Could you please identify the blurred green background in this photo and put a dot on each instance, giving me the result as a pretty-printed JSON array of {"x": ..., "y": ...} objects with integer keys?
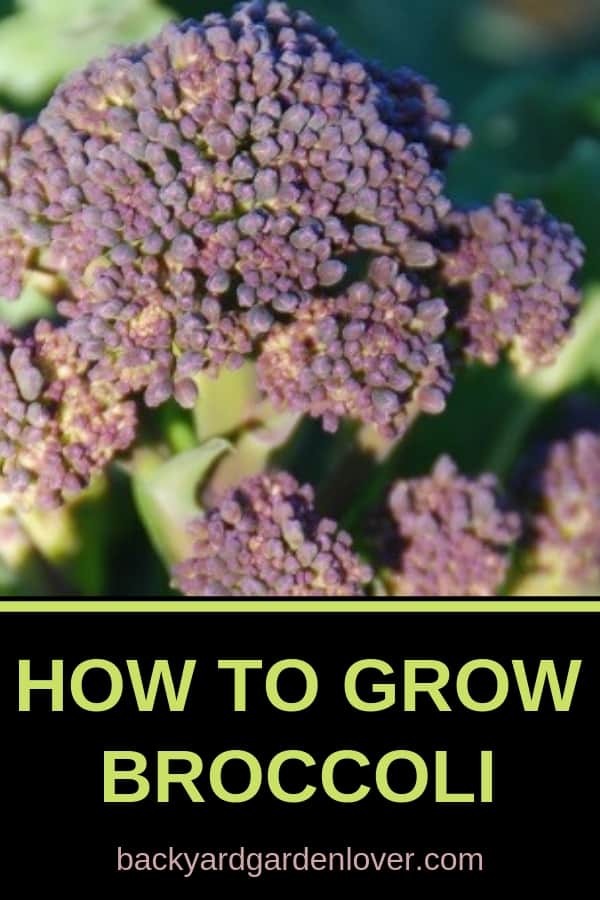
[{"x": 523, "y": 74}]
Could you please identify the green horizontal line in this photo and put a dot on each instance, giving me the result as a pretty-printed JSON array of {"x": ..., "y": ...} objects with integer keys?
[{"x": 295, "y": 606}]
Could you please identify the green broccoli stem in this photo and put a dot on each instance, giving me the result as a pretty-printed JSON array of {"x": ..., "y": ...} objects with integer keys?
[
  {"x": 349, "y": 464},
  {"x": 49, "y": 548},
  {"x": 177, "y": 428},
  {"x": 505, "y": 449},
  {"x": 226, "y": 403}
]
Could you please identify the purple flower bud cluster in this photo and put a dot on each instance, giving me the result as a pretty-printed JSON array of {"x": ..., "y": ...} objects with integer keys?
[
  {"x": 265, "y": 538},
  {"x": 517, "y": 265},
  {"x": 452, "y": 535},
  {"x": 372, "y": 354},
  {"x": 197, "y": 189},
  {"x": 11, "y": 128},
  {"x": 14, "y": 252},
  {"x": 564, "y": 532},
  {"x": 417, "y": 110},
  {"x": 56, "y": 428}
]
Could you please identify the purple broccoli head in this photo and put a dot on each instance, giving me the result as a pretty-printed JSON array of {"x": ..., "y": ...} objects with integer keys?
[{"x": 198, "y": 189}]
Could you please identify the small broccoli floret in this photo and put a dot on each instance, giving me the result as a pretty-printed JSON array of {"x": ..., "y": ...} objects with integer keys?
[
  {"x": 56, "y": 428},
  {"x": 452, "y": 535},
  {"x": 22, "y": 234},
  {"x": 266, "y": 538},
  {"x": 13, "y": 255},
  {"x": 563, "y": 542},
  {"x": 371, "y": 354},
  {"x": 516, "y": 266},
  {"x": 198, "y": 189}
]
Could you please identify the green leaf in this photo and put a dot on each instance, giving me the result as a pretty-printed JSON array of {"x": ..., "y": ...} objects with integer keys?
[
  {"x": 253, "y": 451},
  {"x": 166, "y": 494}
]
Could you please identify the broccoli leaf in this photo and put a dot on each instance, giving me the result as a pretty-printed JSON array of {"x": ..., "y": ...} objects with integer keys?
[{"x": 165, "y": 494}]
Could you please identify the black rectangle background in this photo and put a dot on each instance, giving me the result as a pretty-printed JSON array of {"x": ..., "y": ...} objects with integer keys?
[{"x": 60, "y": 832}]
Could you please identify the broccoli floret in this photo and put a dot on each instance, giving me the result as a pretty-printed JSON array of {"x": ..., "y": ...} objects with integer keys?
[
  {"x": 517, "y": 266},
  {"x": 21, "y": 231},
  {"x": 57, "y": 428},
  {"x": 265, "y": 537},
  {"x": 451, "y": 535},
  {"x": 563, "y": 536},
  {"x": 372, "y": 354}
]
